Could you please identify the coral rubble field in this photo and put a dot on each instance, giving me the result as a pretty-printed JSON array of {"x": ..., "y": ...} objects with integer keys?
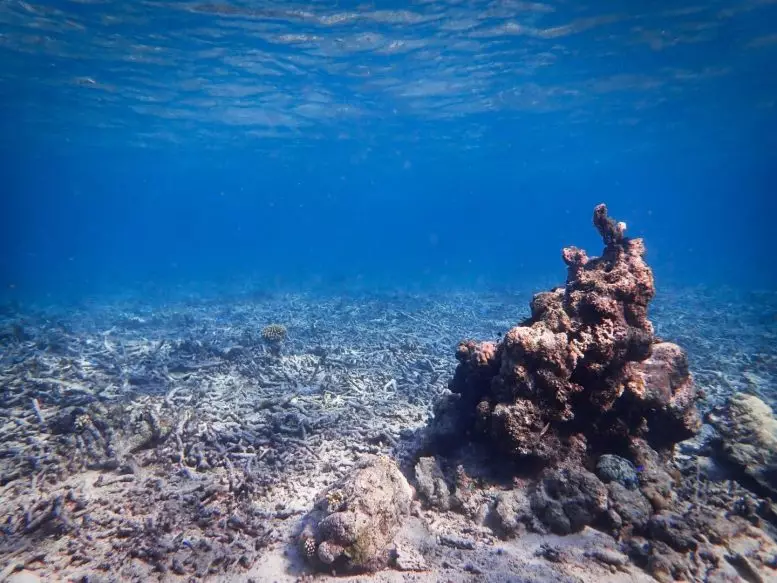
[{"x": 589, "y": 432}]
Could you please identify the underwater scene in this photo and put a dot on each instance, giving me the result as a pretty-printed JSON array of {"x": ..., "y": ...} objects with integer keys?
[{"x": 427, "y": 291}]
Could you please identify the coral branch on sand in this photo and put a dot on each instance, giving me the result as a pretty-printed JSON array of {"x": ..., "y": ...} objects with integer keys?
[{"x": 585, "y": 373}]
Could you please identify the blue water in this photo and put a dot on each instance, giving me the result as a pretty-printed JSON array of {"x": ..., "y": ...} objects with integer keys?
[{"x": 410, "y": 144}]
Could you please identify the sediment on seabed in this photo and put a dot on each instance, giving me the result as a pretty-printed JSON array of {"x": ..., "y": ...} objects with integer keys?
[{"x": 173, "y": 442}]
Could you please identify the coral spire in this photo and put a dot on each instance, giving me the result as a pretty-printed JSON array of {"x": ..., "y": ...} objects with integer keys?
[{"x": 612, "y": 232}]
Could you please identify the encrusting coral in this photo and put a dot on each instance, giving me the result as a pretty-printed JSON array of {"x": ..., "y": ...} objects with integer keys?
[{"x": 585, "y": 373}]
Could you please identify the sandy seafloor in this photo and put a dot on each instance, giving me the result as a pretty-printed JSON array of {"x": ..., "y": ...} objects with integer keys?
[{"x": 145, "y": 440}]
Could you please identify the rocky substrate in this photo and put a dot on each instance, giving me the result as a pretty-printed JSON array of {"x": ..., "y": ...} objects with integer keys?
[{"x": 183, "y": 444}]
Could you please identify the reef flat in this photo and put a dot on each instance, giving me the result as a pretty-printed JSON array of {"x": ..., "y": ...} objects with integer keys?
[{"x": 188, "y": 440}]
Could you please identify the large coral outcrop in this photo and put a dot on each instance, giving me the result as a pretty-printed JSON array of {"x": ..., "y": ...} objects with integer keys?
[
  {"x": 585, "y": 373},
  {"x": 590, "y": 403}
]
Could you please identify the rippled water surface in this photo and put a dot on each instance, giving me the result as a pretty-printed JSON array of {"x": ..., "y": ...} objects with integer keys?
[{"x": 238, "y": 72}]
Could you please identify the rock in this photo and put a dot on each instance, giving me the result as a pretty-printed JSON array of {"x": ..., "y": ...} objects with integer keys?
[
  {"x": 700, "y": 443},
  {"x": 584, "y": 382},
  {"x": 630, "y": 506},
  {"x": 747, "y": 439},
  {"x": 445, "y": 430},
  {"x": 666, "y": 564},
  {"x": 744, "y": 566},
  {"x": 711, "y": 470},
  {"x": 355, "y": 521},
  {"x": 673, "y": 530},
  {"x": 431, "y": 483},
  {"x": 23, "y": 577},
  {"x": 511, "y": 512},
  {"x": 655, "y": 482},
  {"x": 663, "y": 387},
  {"x": 565, "y": 501},
  {"x": 408, "y": 559},
  {"x": 67, "y": 420},
  {"x": 608, "y": 557},
  {"x": 457, "y": 542},
  {"x": 613, "y": 468},
  {"x": 522, "y": 421}
]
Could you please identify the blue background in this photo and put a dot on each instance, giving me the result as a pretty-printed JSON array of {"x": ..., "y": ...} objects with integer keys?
[{"x": 96, "y": 196}]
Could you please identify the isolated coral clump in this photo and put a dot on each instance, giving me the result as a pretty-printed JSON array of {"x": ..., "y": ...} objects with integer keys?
[
  {"x": 354, "y": 522},
  {"x": 585, "y": 373},
  {"x": 274, "y": 333}
]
